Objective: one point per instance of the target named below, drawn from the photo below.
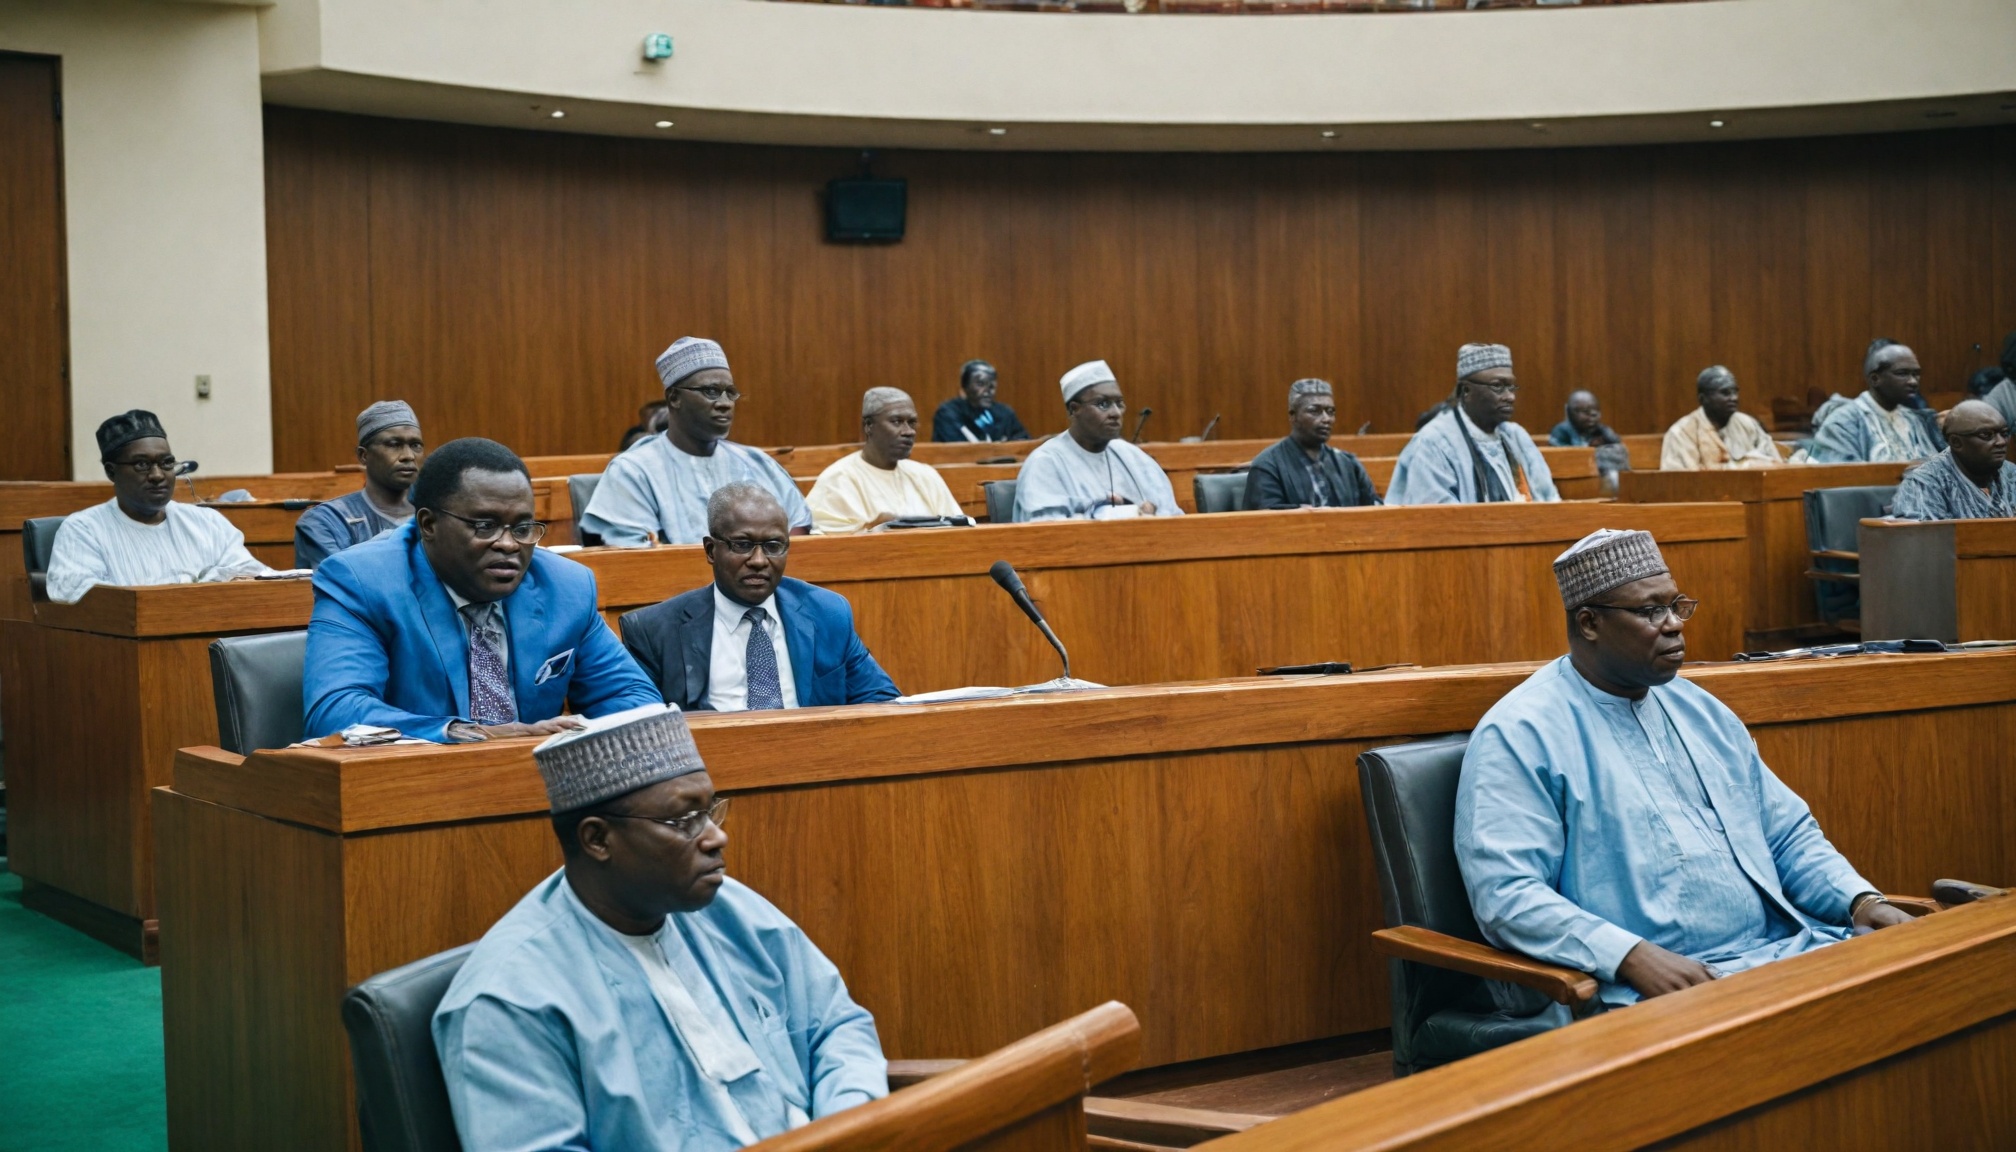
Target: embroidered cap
(687, 355)
(1086, 375)
(382, 415)
(616, 754)
(1606, 558)
(1474, 358)
(118, 431)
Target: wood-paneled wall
(34, 325)
(518, 284)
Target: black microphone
(182, 472)
(1004, 575)
(1209, 428)
(1136, 438)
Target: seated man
(638, 999)
(1582, 424)
(880, 483)
(1091, 471)
(454, 626)
(389, 446)
(974, 416)
(657, 489)
(1302, 470)
(753, 638)
(2003, 394)
(1616, 820)
(142, 536)
(1474, 454)
(1881, 424)
(1716, 435)
(1972, 479)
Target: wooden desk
(1902, 1039)
(1197, 851)
(96, 697)
(1782, 608)
(1938, 580)
(1145, 601)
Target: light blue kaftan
(1436, 466)
(1062, 481)
(551, 1036)
(1586, 822)
(1860, 430)
(656, 490)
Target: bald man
(864, 490)
(1972, 479)
(1881, 424)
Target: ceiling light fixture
(558, 114)
(1714, 123)
(1329, 134)
(664, 123)
(997, 131)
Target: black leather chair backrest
(257, 683)
(402, 1099)
(1000, 500)
(580, 490)
(38, 540)
(1220, 491)
(1832, 515)
(1409, 792)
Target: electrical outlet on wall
(202, 387)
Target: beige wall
(165, 211)
(834, 74)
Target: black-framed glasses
(143, 467)
(486, 531)
(1681, 609)
(1984, 436)
(713, 393)
(689, 826)
(1108, 404)
(772, 547)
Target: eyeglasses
(771, 548)
(486, 531)
(143, 467)
(1108, 404)
(1681, 609)
(1984, 436)
(712, 393)
(689, 826)
(1496, 389)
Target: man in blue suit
(455, 626)
(753, 639)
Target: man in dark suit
(1303, 471)
(753, 639)
(454, 626)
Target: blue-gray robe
(1062, 481)
(655, 490)
(1938, 490)
(1578, 835)
(333, 525)
(1860, 430)
(1436, 467)
(550, 1036)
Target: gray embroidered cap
(1474, 358)
(615, 754)
(687, 355)
(1606, 558)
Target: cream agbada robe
(851, 493)
(1694, 443)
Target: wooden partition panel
(1209, 282)
(1939, 580)
(34, 305)
(978, 870)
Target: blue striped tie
(760, 664)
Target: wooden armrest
(1138, 1123)
(1834, 577)
(1427, 946)
(1835, 554)
(903, 1073)
(1915, 905)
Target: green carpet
(80, 1039)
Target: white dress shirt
(727, 679)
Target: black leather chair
(38, 540)
(1832, 515)
(402, 1099)
(1000, 500)
(580, 490)
(257, 682)
(1220, 491)
(1442, 1010)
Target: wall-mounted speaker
(866, 211)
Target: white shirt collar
(730, 610)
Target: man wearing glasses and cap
(657, 489)
(1617, 820)
(638, 998)
(456, 626)
(142, 536)
(1091, 472)
(1474, 453)
(753, 639)
(390, 447)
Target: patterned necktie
(489, 686)
(760, 664)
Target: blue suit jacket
(386, 646)
(674, 642)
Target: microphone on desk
(1134, 439)
(182, 472)
(1210, 428)
(1004, 574)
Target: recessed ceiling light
(1537, 126)
(1329, 134)
(997, 131)
(1714, 123)
(558, 114)
(664, 123)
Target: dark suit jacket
(1279, 478)
(674, 643)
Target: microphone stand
(1145, 413)
(1010, 581)
(1210, 428)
